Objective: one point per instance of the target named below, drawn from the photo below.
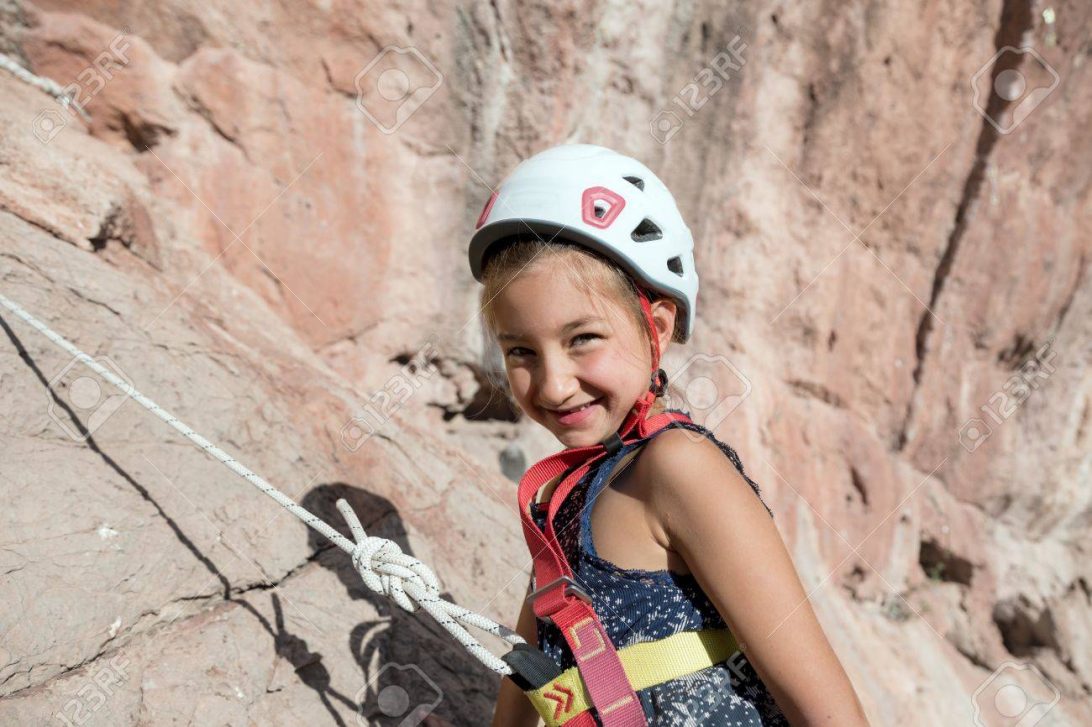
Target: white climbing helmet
(611, 203)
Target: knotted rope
(381, 564)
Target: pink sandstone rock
(232, 231)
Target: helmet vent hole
(675, 265)
(636, 182)
(601, 208)
(647, 231)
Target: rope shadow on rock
(93, 445)
(428, 671)
(306, 663)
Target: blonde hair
(588, 271)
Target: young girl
(588, 275)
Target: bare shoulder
(715, 521)
(678, 463)
(685, 475)
(675, 447)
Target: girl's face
(562, 350)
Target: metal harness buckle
(572, 588)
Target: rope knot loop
(385, 569)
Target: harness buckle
(572, 588)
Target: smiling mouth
(575, 414)
(586, 404)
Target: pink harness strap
(557, 600)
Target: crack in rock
(1016, 21)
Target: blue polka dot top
(641, 605)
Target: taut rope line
(381, 563)
(48, 85)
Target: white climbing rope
(48, 85)
(381, 563)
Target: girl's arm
(513, 708)
(711, 517)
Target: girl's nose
(557, 382)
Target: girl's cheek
(626, 361)
(604, 363)
(519, 380)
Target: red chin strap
(657, 384)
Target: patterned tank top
(642, 605)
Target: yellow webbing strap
(647, 664)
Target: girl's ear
(664, 311)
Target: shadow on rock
(306, 663)
(410, 665)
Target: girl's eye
(585, 335)
(519, 351)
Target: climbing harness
(646, 664)
(381, 564)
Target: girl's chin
(585, 436)
(573, 441)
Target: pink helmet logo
(485, 210)
(601, 207)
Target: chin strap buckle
(658, 384)
(612, 444)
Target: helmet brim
(482, 242)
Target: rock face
(248, 228)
